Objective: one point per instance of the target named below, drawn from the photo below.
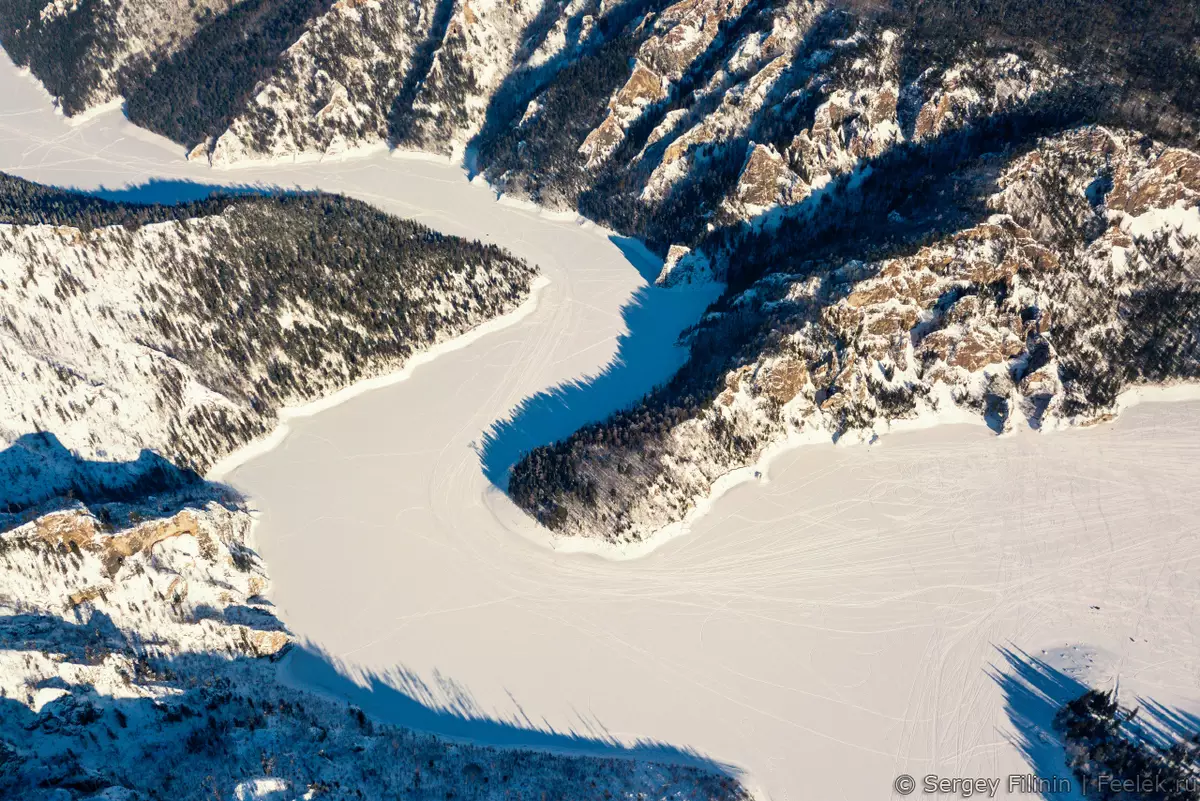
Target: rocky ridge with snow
(137, 661)
(1080, 281)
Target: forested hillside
(794, 149)
(1037, 288)
(183, 329)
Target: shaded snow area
(137, 661)
(393, 625)
(137, 637)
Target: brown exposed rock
(766, 179)
(883, 107)
(688, 27)
(825, 370)
(1174, 176)
(267, 643)
(842, 317)
(982, 271)
(65, 528)
(784, 380)
(733, 382)
(84, 596)
(938, 344)
(1043, 381)
(870, 293)
(200, 152)
(177, 589)
(603, 140)
(893, 321)
(643, 88)
(144, 537)
(975, 351)
(898, 279)
(1041, 258)
(963, 309)
(931, 116)
(678, 149)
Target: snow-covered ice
(826, 631)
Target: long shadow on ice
(1034, 691)
(443, 706)
(648, 354)
(163, 192)
(28, 203)
(439, 707)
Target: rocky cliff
(1075, 281)
(137, 661)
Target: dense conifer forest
(264, 300)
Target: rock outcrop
(1080, 283)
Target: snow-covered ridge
(183, 338)
(1080, 286)
(122, 639)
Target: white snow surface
(824, 631)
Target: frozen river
(906, 607)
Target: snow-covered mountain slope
(268, 78)
(745, 141)
(701, 115)
(181, 331)
(334, 88)
(1079, 280)
(560, 98)
(85, 50)
(137, 644)
(136, 662)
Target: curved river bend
(852, 619)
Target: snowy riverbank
(825, 631)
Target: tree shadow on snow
(191, 691)
(1034, 693)
(648, 353)
(442, 706)
(163, 192)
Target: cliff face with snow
(137, 661)
(184, 337)
(137, 647)
(1078, 279)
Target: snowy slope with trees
(182, 330)
(1078, 281)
